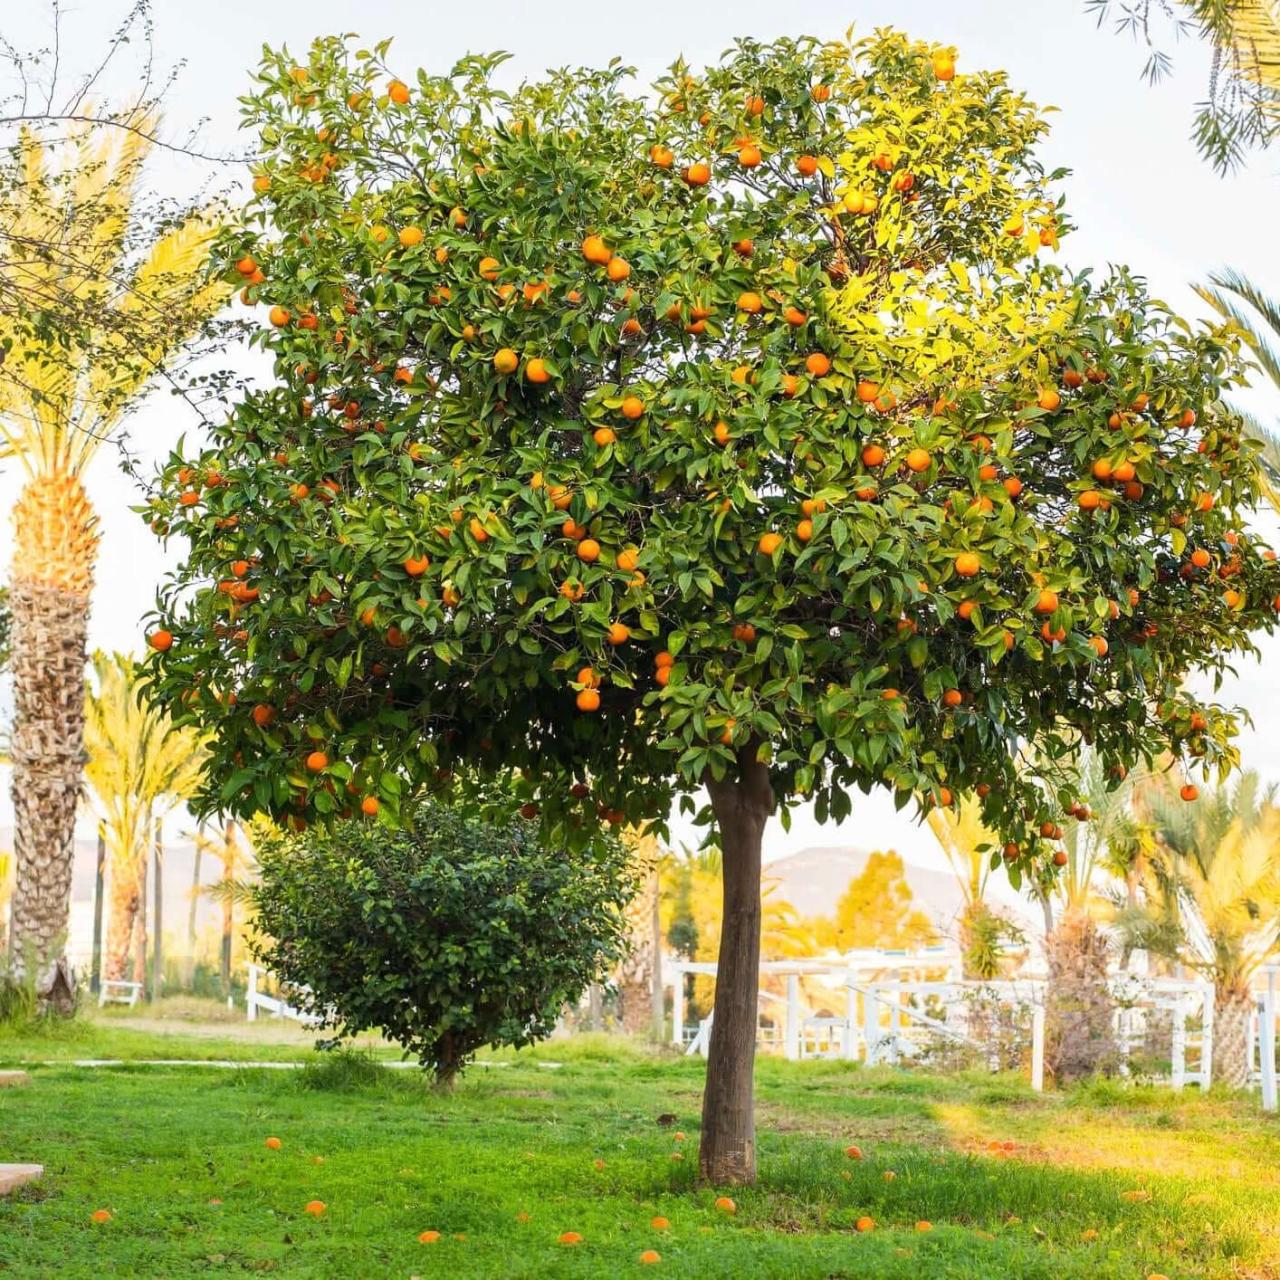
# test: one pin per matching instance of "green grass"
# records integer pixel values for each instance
(178, 1156)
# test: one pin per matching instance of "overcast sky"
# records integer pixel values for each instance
(1138, 191)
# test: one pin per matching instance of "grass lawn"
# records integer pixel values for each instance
(1101, 1183)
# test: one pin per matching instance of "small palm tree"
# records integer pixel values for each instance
(124, 291)
(140, 767)
(1212, 899)
(233, 850)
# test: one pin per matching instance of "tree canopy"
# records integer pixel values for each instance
(615, 435)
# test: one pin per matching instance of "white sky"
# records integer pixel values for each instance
(1138, 191)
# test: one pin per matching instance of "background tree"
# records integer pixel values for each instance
(451, 934)
(876, 909)
(1212, 900)
(74, 227)
(1242, 108)
(234, 851)
(640, 967)
(141, 765)
(748, 443)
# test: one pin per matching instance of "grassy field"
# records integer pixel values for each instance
(1105, 1183)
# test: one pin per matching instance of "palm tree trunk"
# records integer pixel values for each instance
(99, 884)
(228, 923)
(1079, 1010)
(1232, 1050)
(55, 546)
(140, 922)
(157, 916)
(124, 900)
(190, 963)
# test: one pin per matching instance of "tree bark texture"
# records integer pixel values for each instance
(742, 803)
(1232, 1049)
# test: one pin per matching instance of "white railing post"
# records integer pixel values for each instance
(251, 994)
(849, 1036)
(1037, 1046)
(791, 1042)
(1178, 1053)
(1207, 991)
(1267, 1044)
(871, 1024)
(677, 1004)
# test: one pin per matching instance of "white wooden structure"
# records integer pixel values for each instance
(896, 1003)
(1264, 1035)
(256, 998)
(117, 991)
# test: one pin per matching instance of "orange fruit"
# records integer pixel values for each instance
(604, 436)
(650, 1256)
(488, 268)
(726, 1205)
(1102, 469)
(506, 361)
(632, 408)
(1123, 472)
(536, 371)
(315, 1208)
(820, 92)
(428, 1237)
(952, 698)
(618, 633)
(569, 1237)
(806, 165)
(864, 1224)
(1048, 399)
(664, 659)
(804, 530)
(398, 92)
(1100, 645)
(273, 1144)
(967, 564)
(854, 1152)
(662, 156)
(1189, 791)
(588, 700)
(751, 303)
(595, 250)
(769, 543)
(818, 364)
(589, 550)
(263, 715)
(628, 560)
(317, 761)
(278, 316)
(749, 156)
(410, 237)
(659, 1223)
(100, 1215)
(1200, 558)
(1090, 500)
(919, 460)
(868, 390)
(721, 433)
(924, 1225)
(161, 640)
(1047, 602)
(698, 175)
(1012, 486)
(416, 566)
(369, 806)
(872, 456)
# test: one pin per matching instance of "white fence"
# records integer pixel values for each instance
(893, 1012)
(256, 998)
(1264, 1036)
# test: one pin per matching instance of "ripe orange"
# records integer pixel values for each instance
(273, 1144)
(589, 550)
(315, 1208)
(398, 92)
(662, 677)
(1204, 502)
(854, 1152)
(632, 408)
(817, 364)
(664, 659)
(769, 543)
(659, 1223)
(278, 316)
(628, 560)
(416, 566)
(721, 433)
(806, 165)
(451, 597)
(595, 250)
(369, 806)
(864, 1224)
(1012, 486)
(1200, 558)
(1048, 602)
(662, 156)
(804, 530)
(1100, 645)
(751, 303)
(790, 385)
(100, 1215)
(952, 698)
(410, 237)
(618, 269)
(745, 633)
(1090, 500)
(924, 1225)
(161, 640)
(1102, 469)
(488, 268)
(872, 456)
(967, 564)
(944, 66)
(478, 531)
(569, 1237)
(536, 371)
(1048, 399)
(263, 715)
(794, 317)
(317, 761)
(726, 1205)
(587, 676)
(588, 700)
(650, 1256)
(428, 1237)
(604, 436)
(919, 459)
(506, 361)
(966, 609)
(698, 175)
(820, 92)
(618, 633)
(1189, 791)
(744, 248)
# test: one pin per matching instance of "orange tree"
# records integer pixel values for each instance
(738, 437)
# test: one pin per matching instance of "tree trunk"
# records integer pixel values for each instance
(54, 551)
(157, 917)
(1232, 1049)
(190, 963)
(595, 1008)
(125, 897)
(99, 884)
(742, 805)
(657, 993)
(140, 920)
(228, 922)
(1079, 1011)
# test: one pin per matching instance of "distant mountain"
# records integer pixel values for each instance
(814, 879)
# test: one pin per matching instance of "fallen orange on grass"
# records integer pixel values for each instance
(101, 1215)
(924, 1225)
(659, 1223)
(650, 1256)
(569, 1237)
(853, 1152)
(315, 1208)
(274, 1144)
(428, 1237)
(864, 1224)
(726, 1205)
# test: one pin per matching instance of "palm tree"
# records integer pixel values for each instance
(234, 886)
(6, 890)
(123, 294)
(1212, 899)
(967, 844)
(140, 767)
